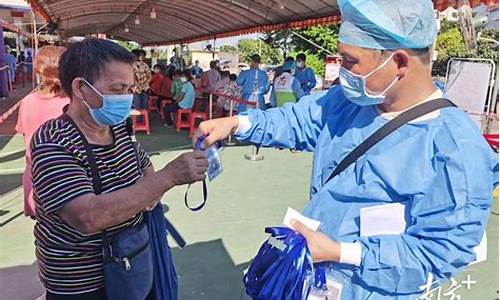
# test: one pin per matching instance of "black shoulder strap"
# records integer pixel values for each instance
(388, 128)
(96, 179)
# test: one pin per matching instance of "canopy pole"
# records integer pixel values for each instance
(213, 51)
(4, 72)
(35, 47)
(181, 57)
(285, 44)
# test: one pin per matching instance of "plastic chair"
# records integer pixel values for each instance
(144, 124)
(192, 122)
(180, 122)
(152, 103)
(164, 103)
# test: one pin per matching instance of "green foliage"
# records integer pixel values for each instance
(127, 45)
(249, 47)
(324, 36)
(449, 44)
(484, 48)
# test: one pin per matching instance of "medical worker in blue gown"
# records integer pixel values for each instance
(254, 84)
(438, 167)
(304, 74)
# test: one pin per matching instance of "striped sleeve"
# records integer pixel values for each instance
(57, 177)
(143, 157)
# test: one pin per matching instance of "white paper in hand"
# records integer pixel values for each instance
(293, 214)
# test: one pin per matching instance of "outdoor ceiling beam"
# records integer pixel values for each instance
(226, 12)
(206, 16)
(263, 28)
(257, 4)
(211, 10)
(146, 19)
(138, 10)
(92, 28)
(128, 16)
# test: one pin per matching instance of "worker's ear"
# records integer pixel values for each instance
(76, 88)
(402, 60)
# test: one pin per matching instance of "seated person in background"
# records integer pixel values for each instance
(183, 100)
(176, 83)
(286, 88)
(230, 90)
(156, 81)
(166, 87)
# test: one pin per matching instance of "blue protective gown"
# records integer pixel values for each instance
(250, 79)
(306, 78)
(441, 169)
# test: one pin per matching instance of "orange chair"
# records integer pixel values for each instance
(180, 122)
(152, 103)
(144, 124)
(164, 103)
(192, 122)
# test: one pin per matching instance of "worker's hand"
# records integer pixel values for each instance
(216, 130)
(322, 248)
(187, 168)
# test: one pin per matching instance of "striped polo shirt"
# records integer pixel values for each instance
(69, 261)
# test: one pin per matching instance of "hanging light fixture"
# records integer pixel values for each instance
(137, 21)
(153, 13)
(280, 4)
(126, 29)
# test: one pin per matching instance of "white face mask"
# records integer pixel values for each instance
(354, 86)
(184, 79)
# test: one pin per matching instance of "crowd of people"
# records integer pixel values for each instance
(293, 80)
(20, 65)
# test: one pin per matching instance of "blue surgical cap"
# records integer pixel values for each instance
(387, 24)
(288, 65)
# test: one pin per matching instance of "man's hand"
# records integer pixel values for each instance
(216, 130)
(187, 168)
(322, 248)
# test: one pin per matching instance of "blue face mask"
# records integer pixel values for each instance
(114, 110)
(354, 86)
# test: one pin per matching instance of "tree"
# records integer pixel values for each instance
(450, 43)
(268, 54)
(324, 36)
